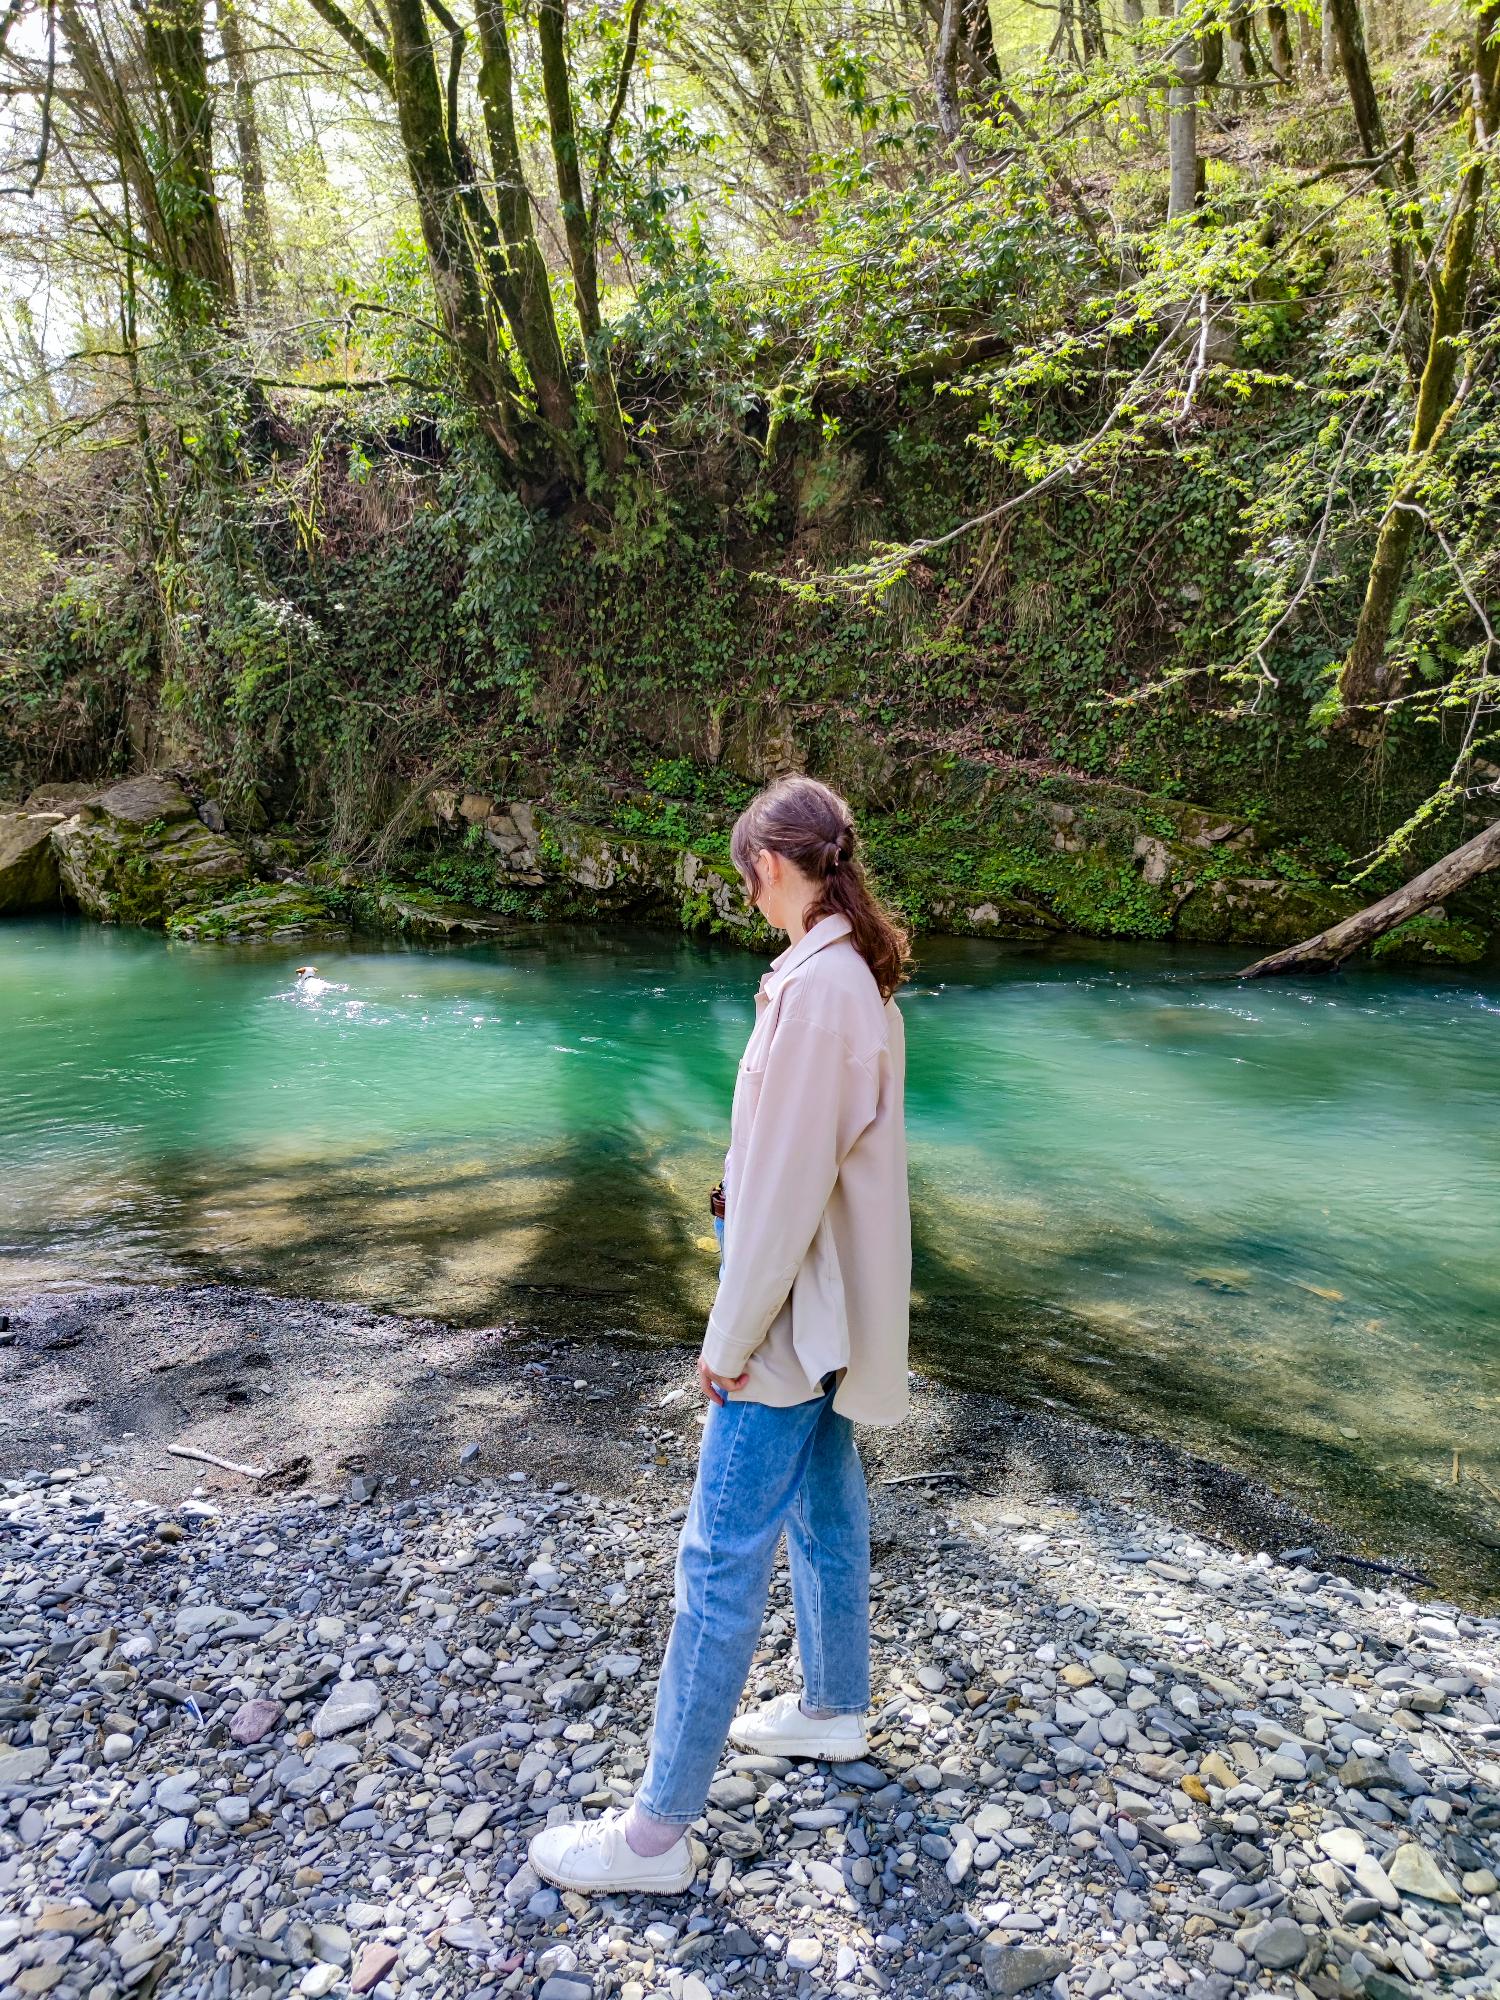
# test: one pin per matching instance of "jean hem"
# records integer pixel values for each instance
(832, 1708)
(666, 1818)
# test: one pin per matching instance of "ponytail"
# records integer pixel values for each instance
(810, 825)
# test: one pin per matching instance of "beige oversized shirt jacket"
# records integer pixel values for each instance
(817, 1226)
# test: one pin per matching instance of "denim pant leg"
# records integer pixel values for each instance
(750, 1467)
(828, 1544)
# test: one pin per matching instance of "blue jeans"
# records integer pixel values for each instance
(761, 1470)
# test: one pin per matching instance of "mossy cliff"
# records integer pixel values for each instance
(959, 845)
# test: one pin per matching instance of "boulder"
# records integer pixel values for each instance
(138, 853)
(264, 910)
(29, 878)
(418, 913)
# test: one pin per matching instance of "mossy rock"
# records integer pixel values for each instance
(138, 854)
(29, 878)
(1431, 940)
(1260, 910)
(266, 910)
(419, 913)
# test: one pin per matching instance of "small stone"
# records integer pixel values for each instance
(1412, 1870)
(173, 1835)
(473, 1820)
(373, 1963)
(1281, 1945)
(567, 1986)
(1373, 1880)
(117, 1748)
(254, 1719)
(804, 1953)
(350, 1705)
(318, 1980)
(1011, 1968)
(1342, 1844)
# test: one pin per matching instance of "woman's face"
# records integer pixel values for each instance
(785, 892)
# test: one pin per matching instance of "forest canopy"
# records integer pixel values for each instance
(1104, 386)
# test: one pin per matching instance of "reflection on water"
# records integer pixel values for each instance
(1258, 1219)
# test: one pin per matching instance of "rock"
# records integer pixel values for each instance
(1342, 1844)
(803, 1953)
(1011, 1968)
(117, 1748)
(138, 853)
(567, 1986)
(318, 1980)
(253, 1720)
(374, 1962)
(1412, 1870)
(173, 1835)
(29, 878)
(1280, 1945)
(473, 1820)
(19, 1767)
(350, 1705)
(1373, 1880)
(263, 910)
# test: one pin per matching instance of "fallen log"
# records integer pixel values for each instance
(1329, 949)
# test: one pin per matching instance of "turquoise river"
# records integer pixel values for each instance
(1261, 1222)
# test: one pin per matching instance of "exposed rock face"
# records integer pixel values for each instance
(28, 865)
(138, 852)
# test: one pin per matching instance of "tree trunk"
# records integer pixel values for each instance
(1349, 42)
(1279, 34)
(1444, 878)
(1367, 679)
(1134, 13)
(1184, 169)
(533, 321)
(260, 265)
(172, 185)
(1326, 51)
(1091, 28)
(441, 210)
(945, 79)
(557, 88)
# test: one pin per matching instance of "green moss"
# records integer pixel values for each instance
(1431, 940)
(268, 909)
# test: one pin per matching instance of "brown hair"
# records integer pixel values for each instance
(807, 823)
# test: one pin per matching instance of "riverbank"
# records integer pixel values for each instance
(321, 1394)
(265, 1742)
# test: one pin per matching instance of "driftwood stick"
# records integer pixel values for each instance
(224, 1464)
(915, 1478)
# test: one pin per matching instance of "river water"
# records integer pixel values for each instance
(1260, 1221)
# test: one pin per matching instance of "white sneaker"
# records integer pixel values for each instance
(594, 1857)
(778, 1728)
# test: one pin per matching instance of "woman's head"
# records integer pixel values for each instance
(797, 853)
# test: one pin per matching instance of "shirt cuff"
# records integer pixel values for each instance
(723, 1356)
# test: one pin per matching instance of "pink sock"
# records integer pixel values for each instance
(647, 1836)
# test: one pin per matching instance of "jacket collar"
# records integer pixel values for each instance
(827, 930)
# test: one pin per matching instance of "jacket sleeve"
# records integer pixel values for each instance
(815, 1100)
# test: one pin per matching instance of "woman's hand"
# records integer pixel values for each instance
(717, 1387)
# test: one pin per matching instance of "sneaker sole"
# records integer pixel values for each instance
(822, 1750)
(619, 1885)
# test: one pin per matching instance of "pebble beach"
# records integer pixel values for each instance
(261, 1744)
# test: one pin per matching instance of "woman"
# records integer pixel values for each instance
(807, 1336)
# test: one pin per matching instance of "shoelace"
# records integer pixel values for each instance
(601, 1833)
